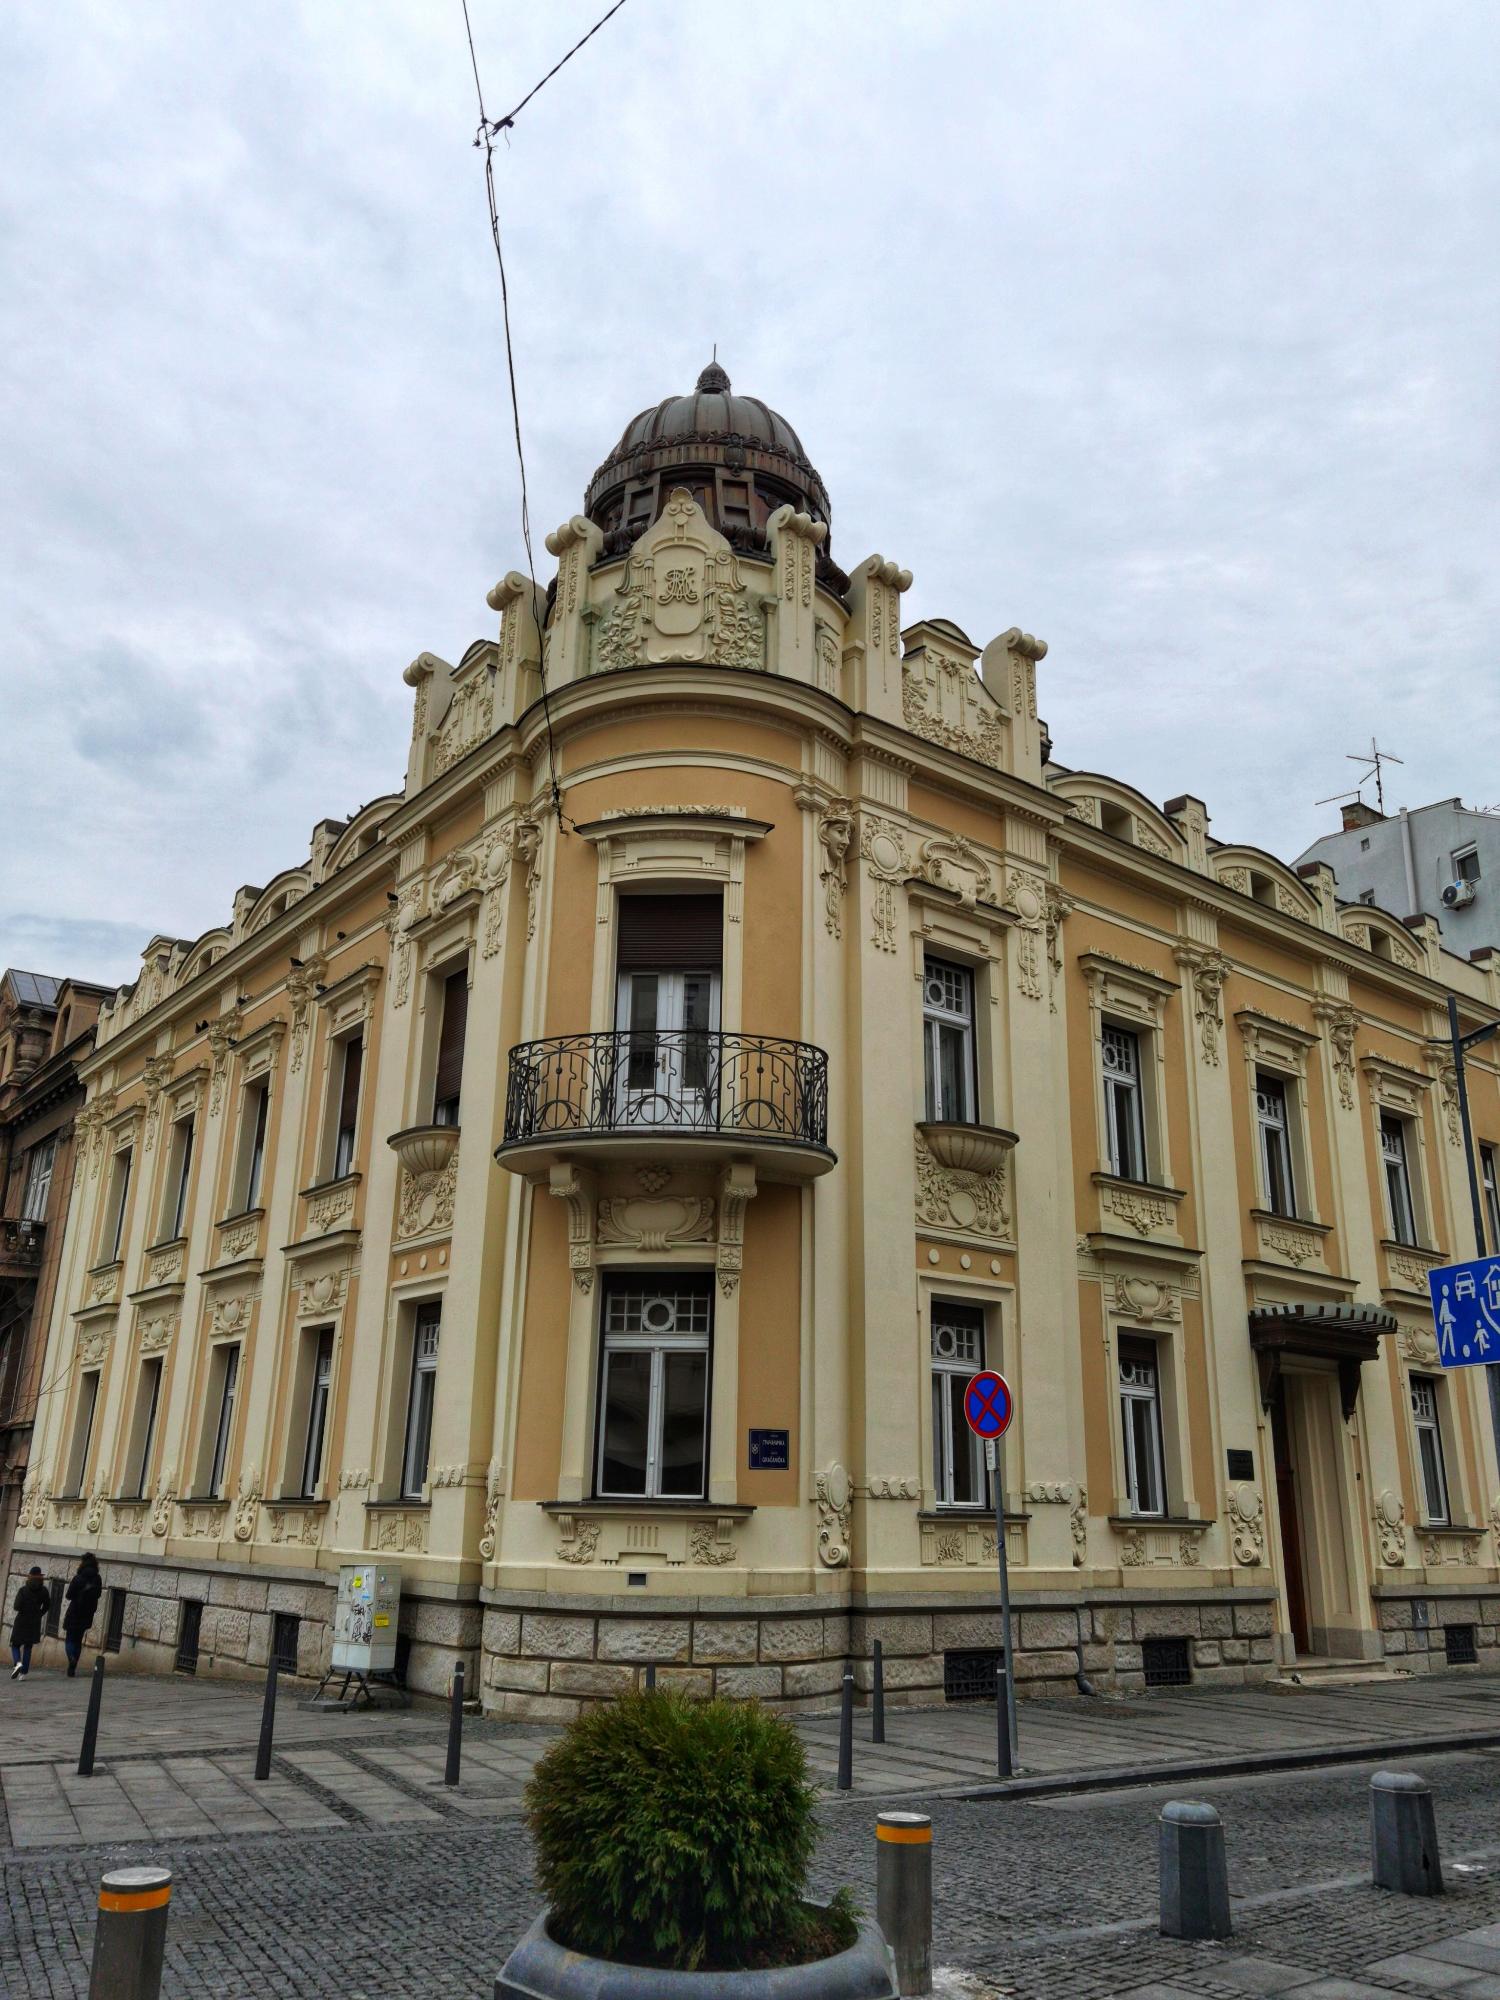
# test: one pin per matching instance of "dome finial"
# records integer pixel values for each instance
(713, 381)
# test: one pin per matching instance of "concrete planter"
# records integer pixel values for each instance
(539, 1969)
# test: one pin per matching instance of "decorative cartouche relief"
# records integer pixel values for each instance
(323, 1293)
(298, 1526)
(1245, 1516)
(1342, 1024)
(681, 596)
(1141, 1212)
(704, 1541)
(156, 1331)
(92, 1341)
(426, 1201)
(1390, 1516)
(1147, 1547)
(954, 863)
(204, 1520)
(128, 1517)
(332, 1209)
(1026, 899)
(469, 720)
(655, 1223)
(1282, 1238)
(1438, 1549)
(945, 701)
(398, 1529)
(971, 1543)
(1207, 968)
(883, 846)
(975, 1204)
(834, 1494)
(1147, 1299)
(165, 1267)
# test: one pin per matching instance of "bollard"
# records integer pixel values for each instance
(267, 1723)
(1403, 1835)
(91, 1721)
(846, 1732)
(455, 1727)
(1194, 1875)
(131, 1934)
(877, 1698)
(650, 1676)
(903, 1895)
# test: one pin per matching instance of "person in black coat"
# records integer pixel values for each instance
(33, 1602)
(83, 1601)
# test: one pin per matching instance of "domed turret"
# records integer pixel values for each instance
(739, 458)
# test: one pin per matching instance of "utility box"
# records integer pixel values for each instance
(365, 1619)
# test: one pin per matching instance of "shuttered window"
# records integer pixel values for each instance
(671, 933)
(448, 1082)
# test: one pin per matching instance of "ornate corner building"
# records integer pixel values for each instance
(596, 1212)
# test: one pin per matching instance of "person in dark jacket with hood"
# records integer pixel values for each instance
(83, 1601)
(33, 1602)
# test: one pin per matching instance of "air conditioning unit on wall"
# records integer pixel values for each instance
(1458, 895)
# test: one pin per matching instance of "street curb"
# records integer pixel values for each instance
(1135, 1777)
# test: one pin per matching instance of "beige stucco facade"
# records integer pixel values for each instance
(867, 800)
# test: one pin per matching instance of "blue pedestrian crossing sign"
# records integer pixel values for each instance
(1466, 1312)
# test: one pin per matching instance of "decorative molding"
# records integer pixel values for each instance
(574, 1185)
(299, 1525)
(835, 831)
(247, 1504)
(681, 596)
(949, 861)
(398, 1530)
(161, 1511)
(883, 847)
(204, 1520)
(156, 1331)
(1389, 1518)
(945, 701)
(493, 1492)
(655, 1223)
(976, 1204)
(323, 1293)
(1078, 1527)
(580, 1540)
(469, 720)
(1245, 1515)
(302, 984)
(709, 1544)
(1207, 967)
(1026, 899)
(833, 1493)
(328, 1206)
(1147, 1299)
(425, 1206)
(1342, 1023)
(1138, 1211)
(737, 1189)
(894, 1489)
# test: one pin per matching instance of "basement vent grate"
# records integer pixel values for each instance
(1166, 1663)
(1458, 1644)
(284, 1641)
(971, 1676)
(189, 1626)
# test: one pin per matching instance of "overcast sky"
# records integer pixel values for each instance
(1168, 332)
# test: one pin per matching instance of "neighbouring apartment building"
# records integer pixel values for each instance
(1442, 860)
(46, 1027)
(587, 1180)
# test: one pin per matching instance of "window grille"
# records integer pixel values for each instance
(972, 1675)
(1165, 1663)
(653, 1393)
(189, 1628)
(114, 1621)
(1458, 1644)
(284, 1630)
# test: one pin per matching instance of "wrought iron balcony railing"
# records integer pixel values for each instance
(760, 1088)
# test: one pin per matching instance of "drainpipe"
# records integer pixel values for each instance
(1413, 908)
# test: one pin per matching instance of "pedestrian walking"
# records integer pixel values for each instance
(33, 1602)
(83, 1595)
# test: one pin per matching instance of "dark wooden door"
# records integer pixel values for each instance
(1291, 1538)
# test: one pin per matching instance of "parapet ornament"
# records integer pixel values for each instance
(834, 1494)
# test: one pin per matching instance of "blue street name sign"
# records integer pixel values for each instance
(1466, 1312)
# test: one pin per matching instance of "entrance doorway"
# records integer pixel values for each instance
(1291, 1527)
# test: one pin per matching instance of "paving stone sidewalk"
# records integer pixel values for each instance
(176, 1754)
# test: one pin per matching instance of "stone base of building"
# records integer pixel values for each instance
(1432, 1631)
(544, 1657)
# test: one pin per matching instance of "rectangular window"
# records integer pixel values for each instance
(189, 1625)
(1466, 865)
(348, 1108)
(447, 1086)
(143, 1429)
(119, 1195)
(1124, 1123)
(179, 1172)
(1273, 1123)
(424, 1360)
(957, 1354)
(38, 1180)
(317, 1410)
(1393, 1156)
(254, 1112)
(948, 1032)
(1140, 1420)
(1424, 1416)
(653, 1395)
(285, 1626)
(1489, 1177)
(83, 1431)
(225, 1381)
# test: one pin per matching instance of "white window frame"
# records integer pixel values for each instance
(1134, 1393)
(227, 1357)
(1125, 1149)
(1432, 1467)
(950, 1356)
(421, 1399)
(1396, 1177)
(1274, 1123)
(1489, 1179)
(948, 1004)
(319, 1406)
(1460, 857)
(659, 1342)
(40, 1161)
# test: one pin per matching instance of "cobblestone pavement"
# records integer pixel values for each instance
(354, 1873)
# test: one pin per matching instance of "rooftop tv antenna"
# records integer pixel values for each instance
(1374, 758)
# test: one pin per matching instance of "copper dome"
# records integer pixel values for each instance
(739, 458)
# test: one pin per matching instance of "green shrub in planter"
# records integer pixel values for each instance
(675, 1832)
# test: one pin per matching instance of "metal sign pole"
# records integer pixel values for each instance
(1005, 1686)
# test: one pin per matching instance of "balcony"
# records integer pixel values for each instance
(683, 1094)
(20, 1244)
